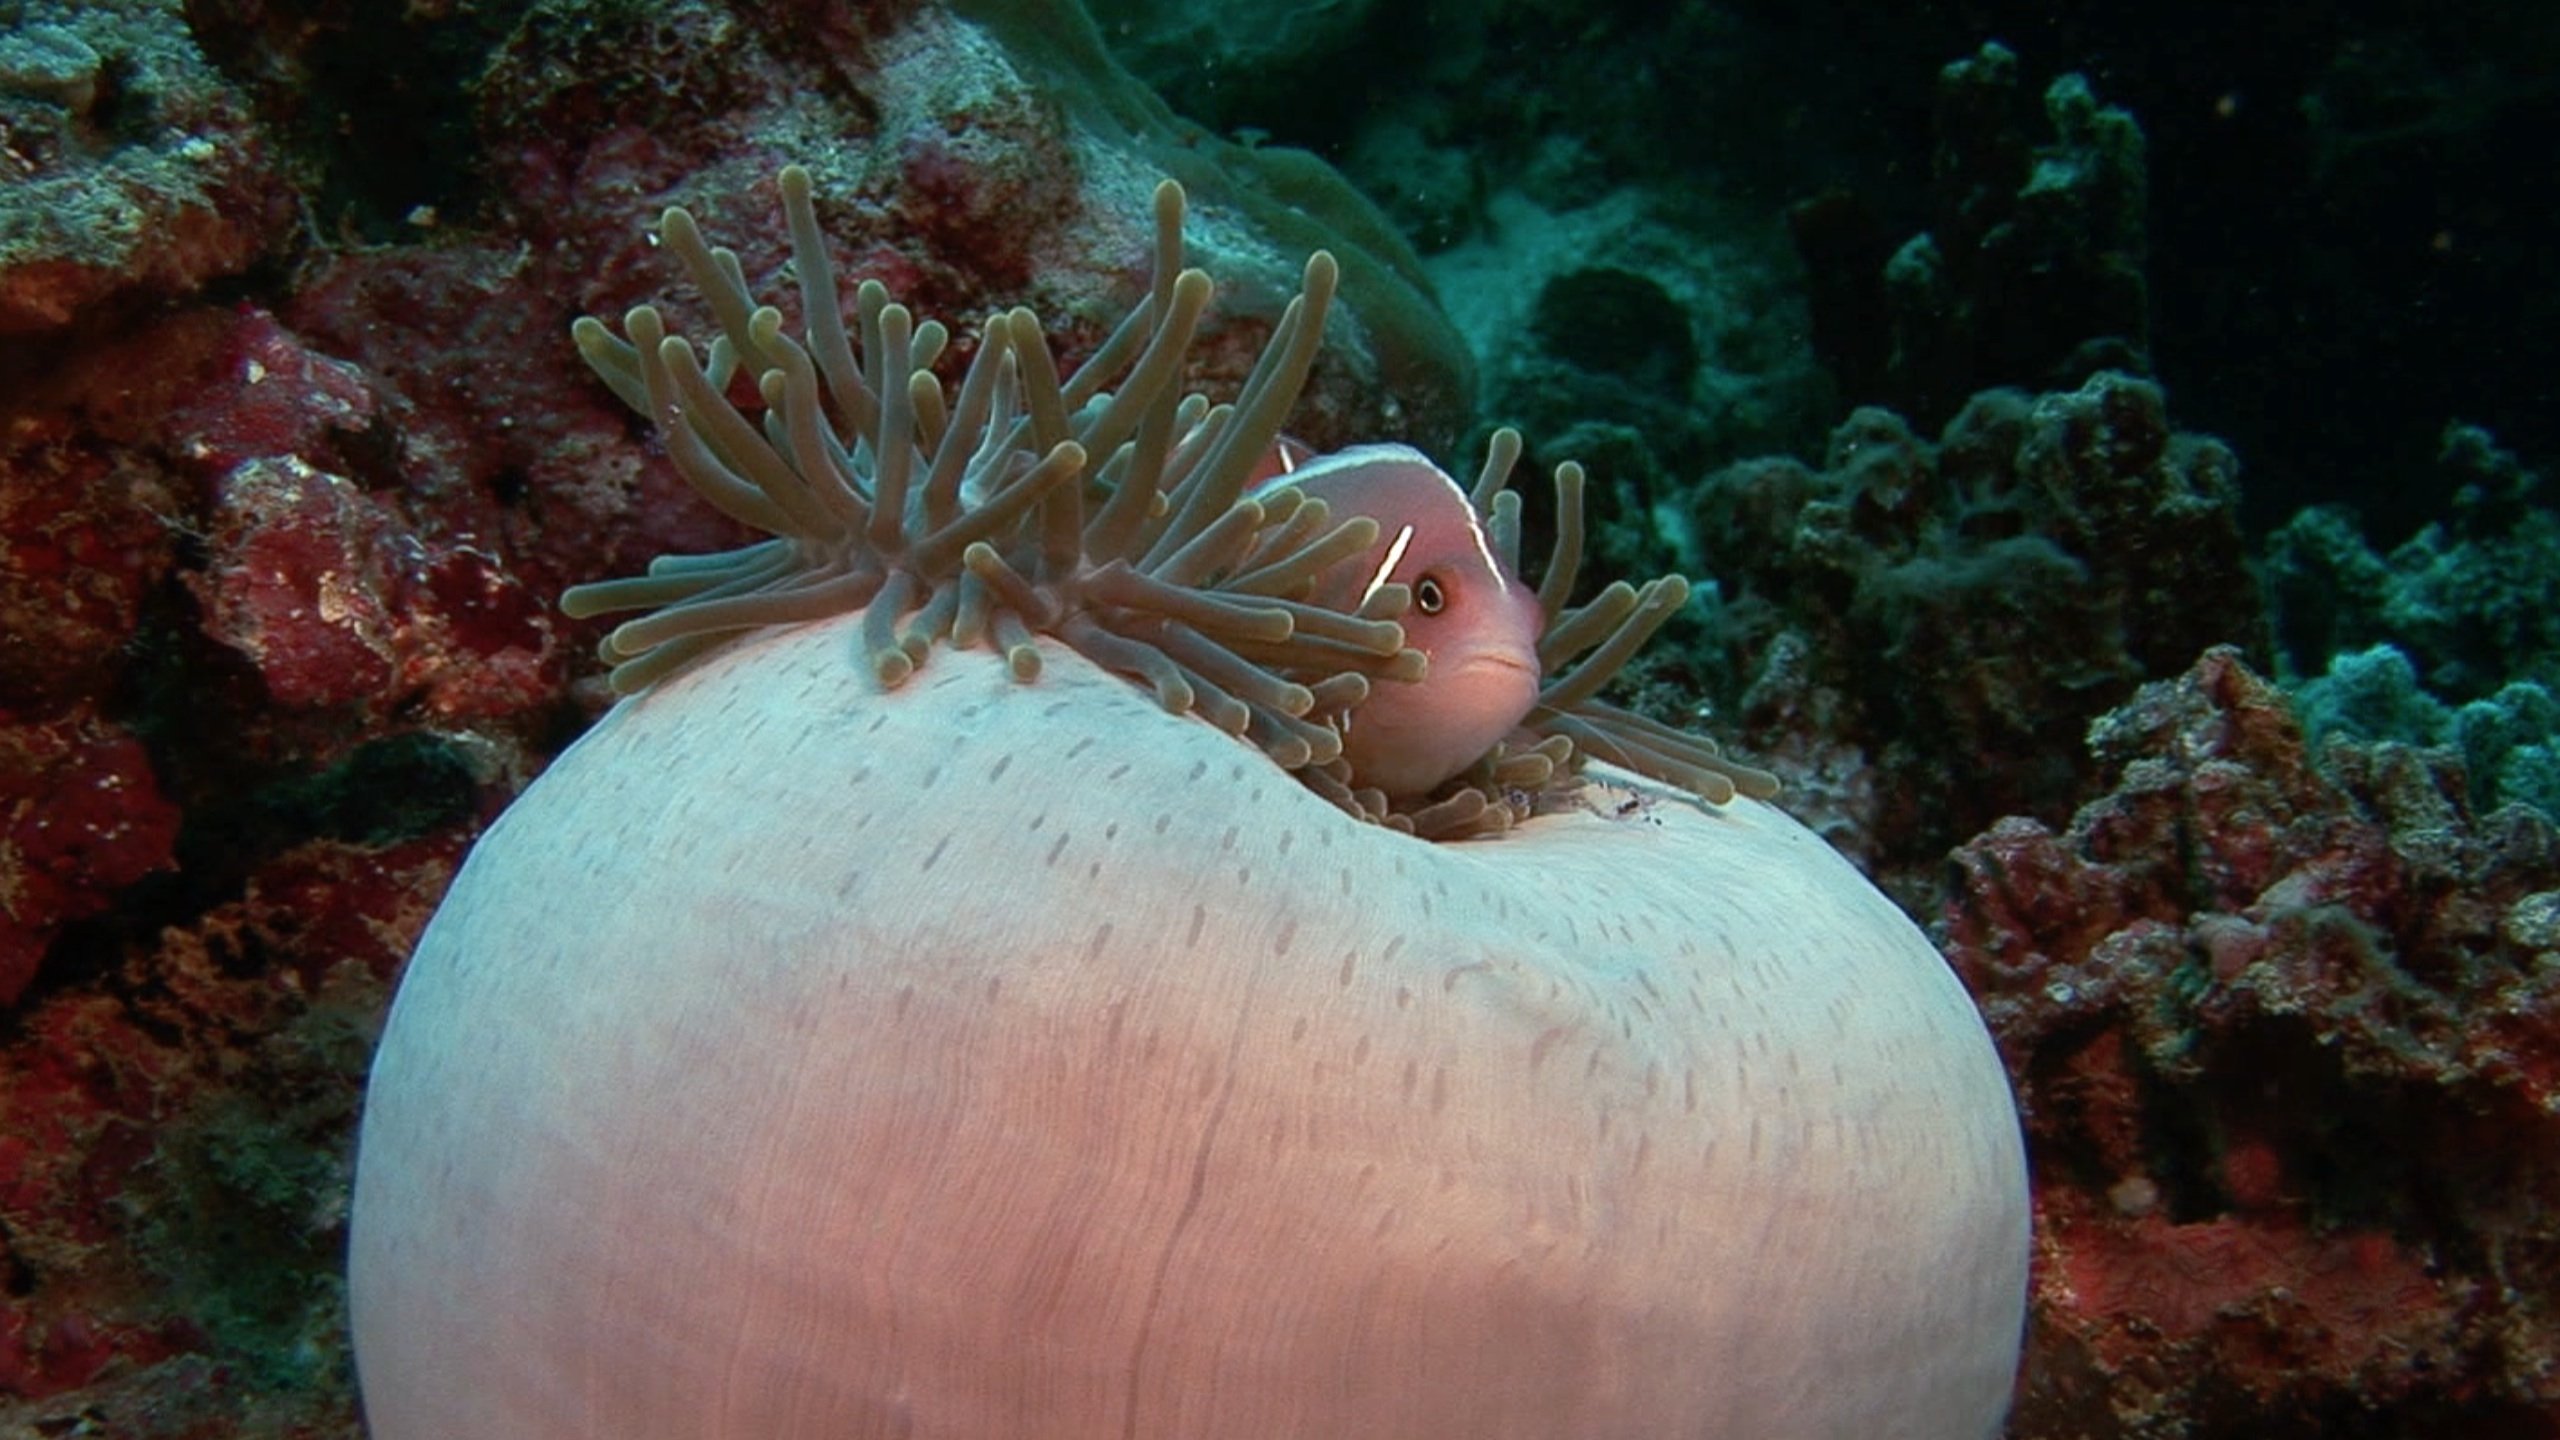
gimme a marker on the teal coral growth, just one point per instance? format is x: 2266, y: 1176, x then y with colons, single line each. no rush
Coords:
x: 2453, y: 638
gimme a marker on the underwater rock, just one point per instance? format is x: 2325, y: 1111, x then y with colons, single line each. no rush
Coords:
x: 172, y: 1183
x: 2287, y: 1037
x: 340, y: 604
x: 133, y: 169
x: 1627, y: 329
x: 1400, y: 341
x: 84, y: 542
x: 1207, y: 57
x: 82, y: 817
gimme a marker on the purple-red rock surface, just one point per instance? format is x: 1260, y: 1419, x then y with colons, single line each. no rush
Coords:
x: 2287, y: 1041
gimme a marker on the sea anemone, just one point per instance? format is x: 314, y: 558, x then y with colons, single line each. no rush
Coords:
x: 1116, y: 522
x: 891, y: 1021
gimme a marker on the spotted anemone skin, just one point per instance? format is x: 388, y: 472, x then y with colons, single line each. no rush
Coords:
x: 802, y: 1061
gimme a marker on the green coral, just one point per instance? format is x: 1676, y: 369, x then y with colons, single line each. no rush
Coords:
x: 2506, y: 740
x: 2453, y: 639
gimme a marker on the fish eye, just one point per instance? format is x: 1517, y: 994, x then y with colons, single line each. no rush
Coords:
x: 1428, y: 597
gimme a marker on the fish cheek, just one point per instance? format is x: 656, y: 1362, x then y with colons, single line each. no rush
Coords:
x: 1426, y: 633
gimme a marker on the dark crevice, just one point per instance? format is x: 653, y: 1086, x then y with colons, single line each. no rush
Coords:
x: 373, y: 101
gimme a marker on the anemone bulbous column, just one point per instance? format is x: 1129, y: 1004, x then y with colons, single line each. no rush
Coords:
x: 801, y: 1062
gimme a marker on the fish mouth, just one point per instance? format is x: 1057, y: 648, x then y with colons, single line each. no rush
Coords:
x: 1491, y: 681
x: 1483, y: 660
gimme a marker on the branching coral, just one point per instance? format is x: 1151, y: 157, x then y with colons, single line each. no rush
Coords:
x: 1102, y: 508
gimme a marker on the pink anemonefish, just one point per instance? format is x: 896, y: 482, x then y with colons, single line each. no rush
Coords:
x: 1471, y: 617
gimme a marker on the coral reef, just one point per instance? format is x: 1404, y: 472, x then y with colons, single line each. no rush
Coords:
x: 87, y: 821
x: 1919, y: 632
x: 293, y: 459
x: 1401, y: 338
x: 2509, y: 741
x: 1616, y: 299
x: 1613, y: 335
x: 2030, y: 273
x: 2287, y: 1039
x: 2450, y: 639
x: 284, y: 510
x: 174, y: 1171
x: 2315, y: 181
x: 2472, y: 599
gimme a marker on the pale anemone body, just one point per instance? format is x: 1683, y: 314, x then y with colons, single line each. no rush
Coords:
x: 795, y: 1060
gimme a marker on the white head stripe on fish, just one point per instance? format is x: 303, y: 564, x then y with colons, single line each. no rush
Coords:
x: 1387, y: 566
x: 1308, y: 475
